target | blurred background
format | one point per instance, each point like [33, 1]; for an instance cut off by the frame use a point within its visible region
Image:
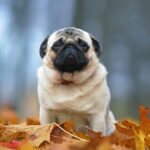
[122, 26]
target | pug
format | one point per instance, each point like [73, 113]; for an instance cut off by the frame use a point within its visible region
[72, 83]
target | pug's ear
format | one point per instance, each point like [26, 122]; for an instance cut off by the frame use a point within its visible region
[43, 47]
[96, 45]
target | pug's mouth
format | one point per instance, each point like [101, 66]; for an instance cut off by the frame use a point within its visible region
[65, 82]
[66, 78]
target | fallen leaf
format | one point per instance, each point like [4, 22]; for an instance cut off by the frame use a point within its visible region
[139, 140]
[8, 116]
[32, 121]
[26, 146]
[144, 120]
[13, 144]
[129, 135]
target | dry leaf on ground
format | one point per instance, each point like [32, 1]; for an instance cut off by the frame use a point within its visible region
[129, 135]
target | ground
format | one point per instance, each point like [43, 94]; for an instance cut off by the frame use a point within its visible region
[30, 135]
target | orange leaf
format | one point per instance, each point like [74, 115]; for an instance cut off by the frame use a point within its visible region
[8, 116]
[27, 146]
[32, 121]
[144, 120]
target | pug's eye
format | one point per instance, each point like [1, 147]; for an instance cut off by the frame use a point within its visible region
[58, 44]
[83, 45]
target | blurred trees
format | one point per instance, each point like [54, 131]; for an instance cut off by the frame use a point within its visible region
[122, 26]
[23, 27]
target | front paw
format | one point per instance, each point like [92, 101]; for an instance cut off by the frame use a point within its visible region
[44, 116]
[98, 124]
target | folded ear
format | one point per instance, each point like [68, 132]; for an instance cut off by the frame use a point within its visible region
[96, 45]
[43, 47]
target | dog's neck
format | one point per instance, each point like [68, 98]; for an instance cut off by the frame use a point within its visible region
[71, 90]
[66, 82]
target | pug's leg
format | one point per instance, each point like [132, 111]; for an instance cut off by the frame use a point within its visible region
[97, 122]
[46, 116]
[110, 120]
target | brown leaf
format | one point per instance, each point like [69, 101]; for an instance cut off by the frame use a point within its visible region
[9, 133]
[8, 116]
[144, 120]
[80, 131]
[32, 121]
[35, 134]
[67, 135]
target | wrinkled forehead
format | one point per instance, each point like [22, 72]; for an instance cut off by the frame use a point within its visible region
[72, 33]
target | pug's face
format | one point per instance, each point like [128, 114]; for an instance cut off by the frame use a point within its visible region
[70, 52]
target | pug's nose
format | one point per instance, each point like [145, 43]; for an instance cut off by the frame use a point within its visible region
[70, 49]
[70, 58]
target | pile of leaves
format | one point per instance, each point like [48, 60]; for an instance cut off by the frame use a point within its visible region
[30, 135]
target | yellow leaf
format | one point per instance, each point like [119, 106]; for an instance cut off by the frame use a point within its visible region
[27, 146]
[139, 140]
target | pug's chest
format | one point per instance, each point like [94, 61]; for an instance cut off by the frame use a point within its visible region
[83, 102]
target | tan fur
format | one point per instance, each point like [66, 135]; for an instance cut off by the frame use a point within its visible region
[85, 100]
